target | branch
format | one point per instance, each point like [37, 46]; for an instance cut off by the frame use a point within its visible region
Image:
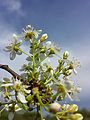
[14, 74]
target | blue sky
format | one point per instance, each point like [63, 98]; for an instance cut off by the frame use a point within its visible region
[67, 23]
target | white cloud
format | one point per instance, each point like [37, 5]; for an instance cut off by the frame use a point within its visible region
[14, 6]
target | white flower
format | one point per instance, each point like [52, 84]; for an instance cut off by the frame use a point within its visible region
[74, 64]
[17, 85]
[29, 32]
[52, 47]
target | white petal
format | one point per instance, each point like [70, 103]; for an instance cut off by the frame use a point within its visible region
[48, 43]
[21, 97]
[12, 55]
[7, 85]
[11, 116]
[15, 36]
[74, 70]
[27, 91]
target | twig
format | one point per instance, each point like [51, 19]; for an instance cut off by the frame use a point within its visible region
[13, 73]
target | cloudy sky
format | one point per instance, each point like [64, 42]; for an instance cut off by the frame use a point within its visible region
[67, 23]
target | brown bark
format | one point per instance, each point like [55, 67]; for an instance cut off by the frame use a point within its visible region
[14, 74]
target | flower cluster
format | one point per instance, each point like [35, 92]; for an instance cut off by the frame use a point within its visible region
[42, 85]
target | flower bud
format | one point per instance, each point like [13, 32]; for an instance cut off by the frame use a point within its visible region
[42, 50]
[55, 107]
[43, 37]
[73, 108]
[29, 35]
[78, 89]
[65, 55]
[67, 72]
[61, 62]
[51, 72]
[65, 106]
[52, 51]
[76, 116]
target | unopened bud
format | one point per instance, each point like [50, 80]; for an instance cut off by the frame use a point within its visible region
[78, 89]
[65, 55]
[65, 106]
[52, 51]
[51, 72]
[76, 116]
[68, 72]
[43, 37]
[55, 107]
[73, 108]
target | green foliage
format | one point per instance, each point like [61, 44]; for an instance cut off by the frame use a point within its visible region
[42, 85]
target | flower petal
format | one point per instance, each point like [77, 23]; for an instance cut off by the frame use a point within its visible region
[12, 55]
[10, 116]
[7, 48]
[7, 85]
[21, 97]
